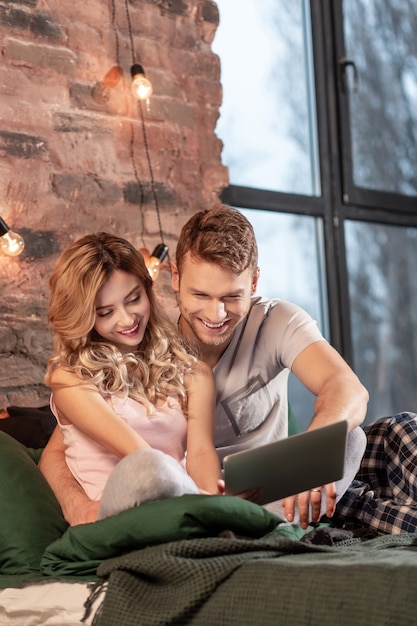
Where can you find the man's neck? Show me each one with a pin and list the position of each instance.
(210, 354)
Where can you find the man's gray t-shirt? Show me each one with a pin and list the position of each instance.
(252, 374)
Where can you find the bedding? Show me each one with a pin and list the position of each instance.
(36, 542)
(191, 560)
(81, 549)
(272, 580)
(31, 517)
(32, 426)
(55, 603)
(46, 567)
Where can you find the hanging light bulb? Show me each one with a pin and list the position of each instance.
(155, 260)
(141, 87)
(11, 243)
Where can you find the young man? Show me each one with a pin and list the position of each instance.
(252, 344)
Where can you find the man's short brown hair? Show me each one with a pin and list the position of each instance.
(221, 235)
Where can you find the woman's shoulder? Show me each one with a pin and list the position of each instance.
(62, 377)
(203, 368)
(201, 373)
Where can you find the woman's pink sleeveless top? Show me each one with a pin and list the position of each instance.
(91, 464)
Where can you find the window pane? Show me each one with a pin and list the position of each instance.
(380, 38)
(268, 121)
(292, 268)
(382, 263)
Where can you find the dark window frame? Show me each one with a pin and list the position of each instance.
(340, 200)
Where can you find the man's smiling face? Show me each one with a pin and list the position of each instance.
(212, 300)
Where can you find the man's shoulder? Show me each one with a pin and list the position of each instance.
(270, 319)
(265, 307)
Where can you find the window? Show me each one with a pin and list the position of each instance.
(379, 87)
(267, 119)
(319, 126)
(382, 262)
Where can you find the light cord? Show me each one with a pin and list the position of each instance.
(132, 130)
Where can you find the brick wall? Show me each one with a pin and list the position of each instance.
(72, 147)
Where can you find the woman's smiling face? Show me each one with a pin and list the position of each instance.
(122, 311)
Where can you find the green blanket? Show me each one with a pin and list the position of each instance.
(81, 549)
(272, 580)
(77, 554)
(36, 543)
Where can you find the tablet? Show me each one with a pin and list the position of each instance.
(289, 466)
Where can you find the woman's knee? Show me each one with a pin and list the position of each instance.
(143, 476)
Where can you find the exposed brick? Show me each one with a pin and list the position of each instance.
(28, 395)
(191, 63)
(21, 145)
(209, 12)
(215, 179)
(177, 7)
(8, 340)
(93, 97)
(208, 22)
(41, 24)
(185, 35)
(91, 14)
(98, 97)
(181, 113)
(132, 192)
(209, 67)
(85, 37)
(14, 18)
(39, 244)
(29, 3)
(83, 188)
(164, 84)
(74, 123)
(204, 91)
(56, 58)
(82, 177)
(4, 401)
(36, 342)
(19, 369)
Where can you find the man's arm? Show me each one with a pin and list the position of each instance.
(339, 396)
(76, 506)
(339, 393)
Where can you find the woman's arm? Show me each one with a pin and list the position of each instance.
(81, 404)
(203, 463)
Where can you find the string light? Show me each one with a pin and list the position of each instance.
(141, 87)
(11, 243)
(156, 259)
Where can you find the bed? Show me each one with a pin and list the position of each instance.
(190, 560)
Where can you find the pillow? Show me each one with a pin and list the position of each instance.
(30, 426)
(30, 516)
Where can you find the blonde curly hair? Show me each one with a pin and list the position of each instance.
(156, 370)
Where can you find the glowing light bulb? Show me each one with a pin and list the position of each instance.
(154, 262)
(141, 87)
(11, 243)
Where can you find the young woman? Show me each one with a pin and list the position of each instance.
(123, 384)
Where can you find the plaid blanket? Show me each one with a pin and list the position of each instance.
(384, 494)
